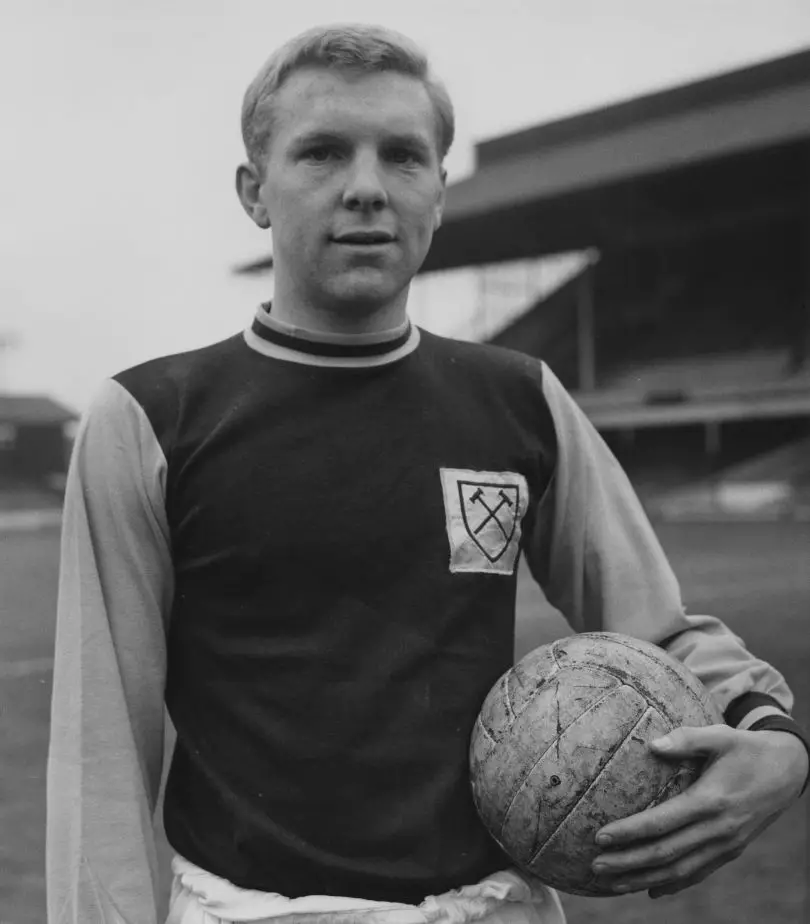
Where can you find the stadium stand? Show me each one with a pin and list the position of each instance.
(687, 339)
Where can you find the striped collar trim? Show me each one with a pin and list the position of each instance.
(271, 337)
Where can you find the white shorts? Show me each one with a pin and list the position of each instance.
(507, 897)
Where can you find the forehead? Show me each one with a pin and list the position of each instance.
(327, 100)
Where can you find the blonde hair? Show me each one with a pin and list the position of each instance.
(355, 47)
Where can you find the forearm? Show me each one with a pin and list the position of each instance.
(739, 681)
(104, 758)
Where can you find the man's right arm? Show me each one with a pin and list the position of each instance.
(107, 712)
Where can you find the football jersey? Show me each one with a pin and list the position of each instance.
(306, 547)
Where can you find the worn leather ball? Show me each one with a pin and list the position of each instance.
(560, 749)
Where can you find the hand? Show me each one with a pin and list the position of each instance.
(749, 779)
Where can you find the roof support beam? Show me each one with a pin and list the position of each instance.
(804, 353)
(586, 335)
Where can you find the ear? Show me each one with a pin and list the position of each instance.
(248, 188)
(440, 202)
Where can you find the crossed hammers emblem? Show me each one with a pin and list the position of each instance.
(492, 512)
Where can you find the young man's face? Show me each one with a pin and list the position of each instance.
(350, 157)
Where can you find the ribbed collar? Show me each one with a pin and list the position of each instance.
(272, 337)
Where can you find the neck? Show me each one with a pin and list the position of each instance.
(338, 317)
(293, 343)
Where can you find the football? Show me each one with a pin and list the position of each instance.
(560, 749)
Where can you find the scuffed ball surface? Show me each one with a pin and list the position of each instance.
(560, 749)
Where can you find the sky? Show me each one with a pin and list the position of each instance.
(119, 224)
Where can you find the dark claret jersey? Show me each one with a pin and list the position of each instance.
(310, 545)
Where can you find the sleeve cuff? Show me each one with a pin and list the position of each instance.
(761, 712)
(742, 707)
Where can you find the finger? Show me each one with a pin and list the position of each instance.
(685, 741)
(660, 851)
(678, 874)
(690, 881)
(678, 812)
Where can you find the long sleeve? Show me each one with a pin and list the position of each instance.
(107, 712)
(600, 563)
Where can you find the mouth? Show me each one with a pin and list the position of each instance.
(365, 239)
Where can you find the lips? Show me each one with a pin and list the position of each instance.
(365, 237)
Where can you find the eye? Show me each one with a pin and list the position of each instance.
(319, 154)
(405, 156)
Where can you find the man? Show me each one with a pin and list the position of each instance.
(305, 538)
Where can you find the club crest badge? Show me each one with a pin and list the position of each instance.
(484, 512)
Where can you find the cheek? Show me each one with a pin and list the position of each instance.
(420, 216)
(292, 223)
(294, 210)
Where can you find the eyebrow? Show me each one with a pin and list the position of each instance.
(407, 139)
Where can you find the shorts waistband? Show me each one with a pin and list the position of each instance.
(506, 897)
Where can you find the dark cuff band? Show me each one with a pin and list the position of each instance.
(739, 708)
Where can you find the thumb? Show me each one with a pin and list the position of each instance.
(687, 741)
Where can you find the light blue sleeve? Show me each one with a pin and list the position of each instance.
(107, 712)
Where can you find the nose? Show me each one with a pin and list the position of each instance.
(364, 187)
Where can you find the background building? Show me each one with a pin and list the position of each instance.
(34, 450)
(685, 334)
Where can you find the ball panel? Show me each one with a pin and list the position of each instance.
(496, 715)
(629, 782)
(534, 670)
(665, 681)
(485, 759)
(583, 683)
(633, 662)
(504, 756)
(565, 771)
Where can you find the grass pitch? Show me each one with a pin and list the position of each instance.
(754, 576)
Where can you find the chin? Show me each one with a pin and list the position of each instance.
(363, 296)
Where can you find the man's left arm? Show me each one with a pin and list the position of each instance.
(599, 562)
